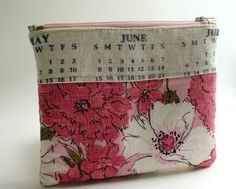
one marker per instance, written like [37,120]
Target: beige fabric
[149,53]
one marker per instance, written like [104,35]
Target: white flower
[168,136]
[48,166]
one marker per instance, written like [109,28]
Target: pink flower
[84,111]
[144,93]
[73,175]
[202,95]
[103,161]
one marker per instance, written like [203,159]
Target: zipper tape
[124,24]
[98,54]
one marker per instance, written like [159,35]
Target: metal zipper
[207,20]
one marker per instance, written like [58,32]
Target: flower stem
[167,84]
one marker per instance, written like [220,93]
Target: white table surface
[19,119]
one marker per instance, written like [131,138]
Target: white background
[19,120]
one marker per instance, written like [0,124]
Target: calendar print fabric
[123,101]
[101,130]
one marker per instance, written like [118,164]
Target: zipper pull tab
[35,28]
[206,20]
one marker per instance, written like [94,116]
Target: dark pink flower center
[145,95]
[145,92]
[167,143]
[82,105]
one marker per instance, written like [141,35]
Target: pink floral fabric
[95,130]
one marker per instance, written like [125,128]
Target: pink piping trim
[121,24]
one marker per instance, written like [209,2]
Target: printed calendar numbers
[138,56]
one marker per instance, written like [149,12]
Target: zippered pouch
[123,98]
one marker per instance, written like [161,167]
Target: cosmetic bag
[124,98]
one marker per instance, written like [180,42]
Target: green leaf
[68,161]
[170,97]
[46,134]
[76,156]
